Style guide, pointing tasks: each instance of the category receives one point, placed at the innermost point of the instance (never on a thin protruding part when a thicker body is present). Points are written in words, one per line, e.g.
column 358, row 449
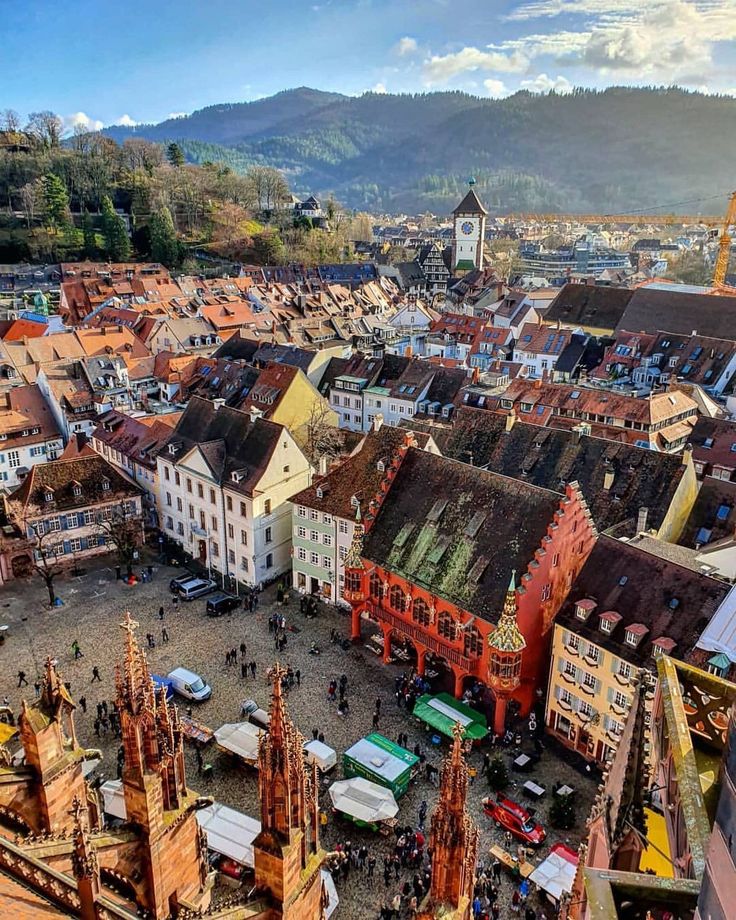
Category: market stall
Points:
column 379, row 760
column 196, row 731
column 555, row 874
column 240, row 739
column 230, row 833
column 321, row 754
column 365, row 803
column 442, row 712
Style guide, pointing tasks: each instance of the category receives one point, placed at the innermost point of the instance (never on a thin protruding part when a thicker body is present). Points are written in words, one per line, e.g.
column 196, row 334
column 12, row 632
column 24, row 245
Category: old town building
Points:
column 325, row 513
column 441, row 541
column 626, row 607
column 225, row 477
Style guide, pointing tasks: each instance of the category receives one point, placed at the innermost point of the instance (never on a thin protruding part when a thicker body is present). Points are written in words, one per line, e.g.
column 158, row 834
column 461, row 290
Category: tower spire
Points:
column 454, row 839
column 85, row 866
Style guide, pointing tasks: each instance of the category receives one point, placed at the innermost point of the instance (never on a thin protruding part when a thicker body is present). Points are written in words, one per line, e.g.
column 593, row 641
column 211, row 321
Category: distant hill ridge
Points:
column 613, row 150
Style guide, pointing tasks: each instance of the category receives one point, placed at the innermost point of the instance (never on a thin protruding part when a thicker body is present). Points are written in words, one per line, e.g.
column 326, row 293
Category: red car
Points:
column 515, row 818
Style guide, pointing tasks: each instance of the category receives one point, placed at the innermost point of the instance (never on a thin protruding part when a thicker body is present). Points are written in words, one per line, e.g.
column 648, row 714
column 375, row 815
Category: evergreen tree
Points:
column 562, row 812
column 89, row 236
column 164, row 245
column 268, row 248
column 55, row 201
column 117, row 241
column 175, row 155
column 498, row 775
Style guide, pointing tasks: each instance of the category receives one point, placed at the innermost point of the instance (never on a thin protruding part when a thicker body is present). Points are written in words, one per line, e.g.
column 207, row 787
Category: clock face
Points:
column 467, row 228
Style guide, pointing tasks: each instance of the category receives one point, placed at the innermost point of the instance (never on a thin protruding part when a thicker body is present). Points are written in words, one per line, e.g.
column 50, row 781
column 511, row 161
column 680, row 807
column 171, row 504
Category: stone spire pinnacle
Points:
column 453, row 835
column 84, row 858
column 507, row 637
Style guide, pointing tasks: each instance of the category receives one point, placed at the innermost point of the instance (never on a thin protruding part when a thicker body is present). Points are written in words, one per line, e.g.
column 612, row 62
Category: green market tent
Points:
column 441, row 712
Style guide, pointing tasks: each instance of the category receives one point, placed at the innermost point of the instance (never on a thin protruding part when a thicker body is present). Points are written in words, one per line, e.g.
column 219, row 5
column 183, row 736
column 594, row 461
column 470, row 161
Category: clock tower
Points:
column 469, row 232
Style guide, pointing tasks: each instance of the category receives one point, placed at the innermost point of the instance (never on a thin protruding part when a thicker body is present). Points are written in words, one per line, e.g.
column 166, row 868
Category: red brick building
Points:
column 432, row 569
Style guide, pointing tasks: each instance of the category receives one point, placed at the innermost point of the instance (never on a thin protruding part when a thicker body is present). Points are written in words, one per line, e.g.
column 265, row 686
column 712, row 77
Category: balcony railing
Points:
column 427, row 639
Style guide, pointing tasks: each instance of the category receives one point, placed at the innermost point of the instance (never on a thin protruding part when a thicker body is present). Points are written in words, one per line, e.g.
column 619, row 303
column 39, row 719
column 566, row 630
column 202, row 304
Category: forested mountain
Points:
column 619, row 149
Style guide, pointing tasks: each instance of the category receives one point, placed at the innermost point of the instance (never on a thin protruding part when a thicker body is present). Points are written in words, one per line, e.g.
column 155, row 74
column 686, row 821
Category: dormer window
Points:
column 77, row 490
column 320, row 493
column 634, row 634
column 663, row 646
column 584, row 608
column 105, row 485
column 381, row 466
column 237, row 475
column 608, row 621
column 172, row 449
column 354, row 501
column 48, row 495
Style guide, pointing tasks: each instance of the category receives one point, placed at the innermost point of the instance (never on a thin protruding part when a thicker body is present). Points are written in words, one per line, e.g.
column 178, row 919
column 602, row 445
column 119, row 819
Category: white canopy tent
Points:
column 321, row 754
column 113, row 799
column 229, row 832
column 556, row 873
column 241, row 739
column 364, row 800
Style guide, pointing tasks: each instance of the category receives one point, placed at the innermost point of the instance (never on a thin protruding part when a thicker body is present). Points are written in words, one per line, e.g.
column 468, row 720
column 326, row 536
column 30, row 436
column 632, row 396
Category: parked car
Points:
column 222, row 603
column 515, row 818
column 251, row 711
column 177, row 582
column 188, row 684
column 196, row 587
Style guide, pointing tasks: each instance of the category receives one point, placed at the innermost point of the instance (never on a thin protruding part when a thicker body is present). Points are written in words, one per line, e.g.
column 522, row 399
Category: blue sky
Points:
column 142, row 60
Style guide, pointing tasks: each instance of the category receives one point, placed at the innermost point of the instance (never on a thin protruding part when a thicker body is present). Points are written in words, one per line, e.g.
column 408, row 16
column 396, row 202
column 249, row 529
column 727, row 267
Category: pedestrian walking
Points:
column 164, row 634
column 97, row 727
column 83, row 703
column 371, row 866
column 315, row 733
column 243, row 670
column 161, row 612
column 422, row 814
column 378, row 705
column 200, row 761
column 77, row 650
column 37, row 688
column 298, row 676
column 376, row 720
column 96, row 675
column 253, row 669
column 242, row 650
column 22, row 682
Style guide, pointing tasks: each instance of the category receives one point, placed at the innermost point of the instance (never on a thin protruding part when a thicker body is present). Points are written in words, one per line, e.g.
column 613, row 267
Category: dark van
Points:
column 222, row 603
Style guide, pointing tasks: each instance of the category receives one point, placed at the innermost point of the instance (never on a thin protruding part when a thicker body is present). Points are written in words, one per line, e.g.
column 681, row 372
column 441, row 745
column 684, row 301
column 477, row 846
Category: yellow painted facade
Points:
column 681, row 505
column 589, row 694
column 296, row 406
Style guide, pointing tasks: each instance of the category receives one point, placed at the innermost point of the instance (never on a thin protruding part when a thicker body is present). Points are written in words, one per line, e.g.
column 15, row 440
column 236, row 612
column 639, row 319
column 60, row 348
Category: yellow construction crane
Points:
column 724, row 244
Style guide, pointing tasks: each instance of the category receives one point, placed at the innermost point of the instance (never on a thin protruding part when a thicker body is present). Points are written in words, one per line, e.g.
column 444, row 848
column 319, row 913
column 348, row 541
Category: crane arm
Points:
column 724, row 244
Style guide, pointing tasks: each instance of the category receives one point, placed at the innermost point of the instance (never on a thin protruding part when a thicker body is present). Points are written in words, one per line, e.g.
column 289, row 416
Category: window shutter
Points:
column 558, row 692
column 67, row 546
column 597, row 687
column 101, row 540
column 565, row 637
column 610, row 694
column 62, row 520
column 579, row 675
column 84, row 543
column 560, row 665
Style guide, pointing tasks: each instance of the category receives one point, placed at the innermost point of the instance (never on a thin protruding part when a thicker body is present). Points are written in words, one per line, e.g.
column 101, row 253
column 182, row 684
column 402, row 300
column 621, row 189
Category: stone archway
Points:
column 402, row 648
column 441, row 674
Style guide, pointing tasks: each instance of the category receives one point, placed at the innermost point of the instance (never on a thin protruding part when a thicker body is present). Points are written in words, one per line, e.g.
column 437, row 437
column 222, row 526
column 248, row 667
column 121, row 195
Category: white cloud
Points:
column 544, row 84
column 81, row 120
column 441, row 68
column 126, row 121
column 177, row 114
column 496, row 89
column 406, row 45
column 379, row 88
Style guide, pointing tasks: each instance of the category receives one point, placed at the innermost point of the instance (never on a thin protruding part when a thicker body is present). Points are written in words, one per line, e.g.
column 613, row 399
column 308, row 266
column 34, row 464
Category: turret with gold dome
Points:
column 506, row 645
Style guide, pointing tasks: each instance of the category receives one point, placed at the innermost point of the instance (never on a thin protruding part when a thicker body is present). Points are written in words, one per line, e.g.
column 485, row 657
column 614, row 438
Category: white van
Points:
column 188, row 684
column 250, row 710
column 197, row 587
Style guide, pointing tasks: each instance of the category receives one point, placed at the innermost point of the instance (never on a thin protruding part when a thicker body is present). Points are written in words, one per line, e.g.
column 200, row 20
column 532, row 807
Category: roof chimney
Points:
column 641, row 520
column 255, row 413
column 378, row 421
column 608, row 476
column 324, row 465
column 510, row 420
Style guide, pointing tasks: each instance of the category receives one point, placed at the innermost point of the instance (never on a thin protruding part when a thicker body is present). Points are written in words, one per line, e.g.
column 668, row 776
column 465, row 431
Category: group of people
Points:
column 277, row 627
column 246, row 667
column 339, row 687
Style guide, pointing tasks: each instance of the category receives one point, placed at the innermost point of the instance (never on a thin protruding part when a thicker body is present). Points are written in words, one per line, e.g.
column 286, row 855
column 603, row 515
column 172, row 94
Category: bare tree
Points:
column 46, row 128
column 30, row 196
column 322, row 437
column 122, row 527
column 42, row 541
column 10, row 121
